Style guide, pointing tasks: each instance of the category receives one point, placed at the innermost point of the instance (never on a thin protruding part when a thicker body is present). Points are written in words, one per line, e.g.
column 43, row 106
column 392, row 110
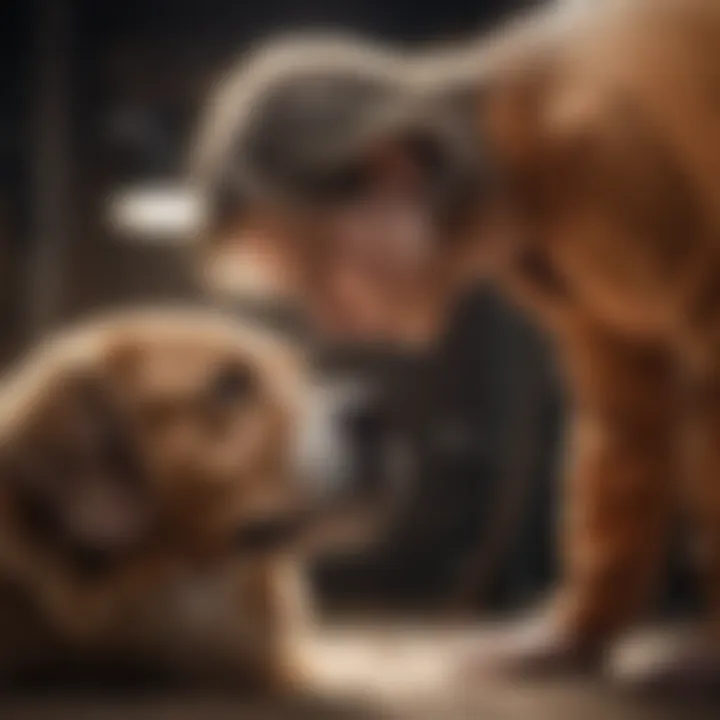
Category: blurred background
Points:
column 99, row 100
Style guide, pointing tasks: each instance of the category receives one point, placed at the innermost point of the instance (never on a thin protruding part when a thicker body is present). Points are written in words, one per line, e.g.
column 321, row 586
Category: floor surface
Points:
column 393, row 673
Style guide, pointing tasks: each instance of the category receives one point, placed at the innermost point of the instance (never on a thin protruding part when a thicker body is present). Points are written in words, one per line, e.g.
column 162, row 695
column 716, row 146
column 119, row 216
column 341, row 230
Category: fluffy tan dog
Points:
column 151, row 507
column 574, row 156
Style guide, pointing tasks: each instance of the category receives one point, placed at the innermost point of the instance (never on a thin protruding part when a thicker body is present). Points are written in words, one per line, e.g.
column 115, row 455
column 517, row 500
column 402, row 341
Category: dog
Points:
column 571, row 156
column 163, row 474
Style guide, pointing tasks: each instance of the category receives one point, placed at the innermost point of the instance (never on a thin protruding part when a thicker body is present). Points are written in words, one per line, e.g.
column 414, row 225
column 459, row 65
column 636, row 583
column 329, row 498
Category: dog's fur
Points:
column 147, row 503
column 595, row 127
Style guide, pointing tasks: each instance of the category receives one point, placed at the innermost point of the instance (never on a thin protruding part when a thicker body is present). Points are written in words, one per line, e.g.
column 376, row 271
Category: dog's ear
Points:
column 73, row 469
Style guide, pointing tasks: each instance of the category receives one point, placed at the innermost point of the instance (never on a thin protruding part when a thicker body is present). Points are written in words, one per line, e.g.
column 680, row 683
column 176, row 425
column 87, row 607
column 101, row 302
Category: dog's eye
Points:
column 232, row 384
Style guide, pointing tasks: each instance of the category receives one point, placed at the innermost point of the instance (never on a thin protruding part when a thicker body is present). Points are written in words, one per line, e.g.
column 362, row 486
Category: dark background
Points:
column 97, row 94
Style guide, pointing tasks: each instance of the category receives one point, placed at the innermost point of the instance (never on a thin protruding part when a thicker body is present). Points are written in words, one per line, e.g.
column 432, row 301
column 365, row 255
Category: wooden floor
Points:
column 393, row 673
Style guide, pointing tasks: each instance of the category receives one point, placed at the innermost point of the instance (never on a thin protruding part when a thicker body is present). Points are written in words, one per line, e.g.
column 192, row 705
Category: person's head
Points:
column 370, row 188
column 335, row 185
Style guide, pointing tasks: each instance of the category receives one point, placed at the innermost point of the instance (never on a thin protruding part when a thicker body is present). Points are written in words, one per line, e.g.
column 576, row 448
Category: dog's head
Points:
column 175, row 436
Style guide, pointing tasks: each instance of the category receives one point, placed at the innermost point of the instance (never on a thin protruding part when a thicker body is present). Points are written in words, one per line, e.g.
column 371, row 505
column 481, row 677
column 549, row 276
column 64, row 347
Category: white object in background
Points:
column 156, row 213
